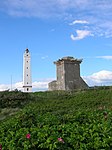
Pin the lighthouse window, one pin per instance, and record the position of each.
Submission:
(27, 89)
(27, 61)
(27, 82)
(27, 67)
(27, 75)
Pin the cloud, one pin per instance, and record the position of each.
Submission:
(34, 8)
(105, 57)
(81, 34)
(102, 77)
(79, 22)
(3, 87)
(52, 30)
(44, 57)
(97, 12)
(40, 85)
(17, 85)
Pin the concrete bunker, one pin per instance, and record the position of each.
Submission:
(68, 75)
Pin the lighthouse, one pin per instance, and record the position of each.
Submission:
(27, 81)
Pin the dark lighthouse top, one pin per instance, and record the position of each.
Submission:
(27, 51)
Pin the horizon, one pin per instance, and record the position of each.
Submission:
(52, 30)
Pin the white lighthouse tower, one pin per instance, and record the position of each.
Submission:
(27, 81)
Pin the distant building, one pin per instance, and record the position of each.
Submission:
(68, 75)
(27, 81)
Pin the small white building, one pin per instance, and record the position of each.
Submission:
(27, 80)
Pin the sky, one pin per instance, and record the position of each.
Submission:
(51, 30)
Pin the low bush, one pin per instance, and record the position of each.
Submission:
(61, 120)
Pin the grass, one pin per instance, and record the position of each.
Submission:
(7, 112)
(82, 119)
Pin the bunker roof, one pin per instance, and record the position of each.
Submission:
(68, 59)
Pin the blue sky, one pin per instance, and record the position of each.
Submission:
(51, 30)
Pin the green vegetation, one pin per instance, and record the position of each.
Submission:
(79, 120)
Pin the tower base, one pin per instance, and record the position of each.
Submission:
(27, 89)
